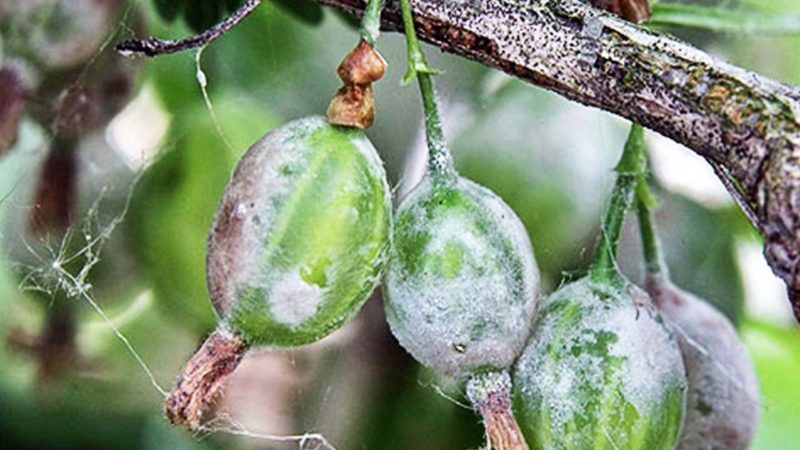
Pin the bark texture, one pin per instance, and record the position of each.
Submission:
(745, 125)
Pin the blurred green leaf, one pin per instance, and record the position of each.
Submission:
(776, 354)
(174, 204)
(409, 413)
(201, 15)
(720, 18)
(349, 19)
(305, 10)
(169, 9)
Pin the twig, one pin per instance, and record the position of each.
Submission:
(152, 46)
(747, 124)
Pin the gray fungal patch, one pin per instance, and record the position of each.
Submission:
(297, 300)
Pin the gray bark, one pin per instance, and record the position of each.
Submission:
(745, 125)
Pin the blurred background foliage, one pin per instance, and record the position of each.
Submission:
(150, 169)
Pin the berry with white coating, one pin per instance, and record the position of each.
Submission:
(600, 371)
(722, 403)
(462, 282)
(298, 243)
(301, 234)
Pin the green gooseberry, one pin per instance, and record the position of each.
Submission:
(462, 282)
(297, 244)
(600, 371)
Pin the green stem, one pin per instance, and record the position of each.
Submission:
(371, 22)
(630, 169)
(440, 161)
(651, 246)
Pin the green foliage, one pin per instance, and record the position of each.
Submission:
(776, 353)
(173, 205)
(305, 10)
(201, 15)
(750, 19)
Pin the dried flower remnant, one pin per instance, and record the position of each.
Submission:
(354, 104)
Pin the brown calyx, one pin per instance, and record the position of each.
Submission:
(363, 65)
(354, 105)
(202, 378)
(490, 394)
(636, 11)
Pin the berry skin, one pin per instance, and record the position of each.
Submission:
(297, 244)
(301, 234)
(722, 404)
(462, 282)
(600, 371)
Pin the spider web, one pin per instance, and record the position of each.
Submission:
(44, 269)
(46, 265)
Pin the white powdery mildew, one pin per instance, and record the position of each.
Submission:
(653, 358)
(558, 388)
(512, 228)
(651, 362)
(253, 190)
(292, 301)
(722, 406)
(481, 316)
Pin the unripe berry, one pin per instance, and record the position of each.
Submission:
(300, 235)
(461, 290)
(462, 281)
(722, 401)
(600, 371)
(297, 244)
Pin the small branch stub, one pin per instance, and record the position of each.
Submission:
(202, 378)
(354, 103)
(490, 394)
(636, 11)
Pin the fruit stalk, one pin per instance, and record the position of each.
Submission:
(630, 169)
(371, 22)
(202, 378)
(440, 161)
(722, 405)
(655, 264)
(490, 393)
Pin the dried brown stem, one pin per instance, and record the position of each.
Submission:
(490, 394)
(202, 378)
(745, 123)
